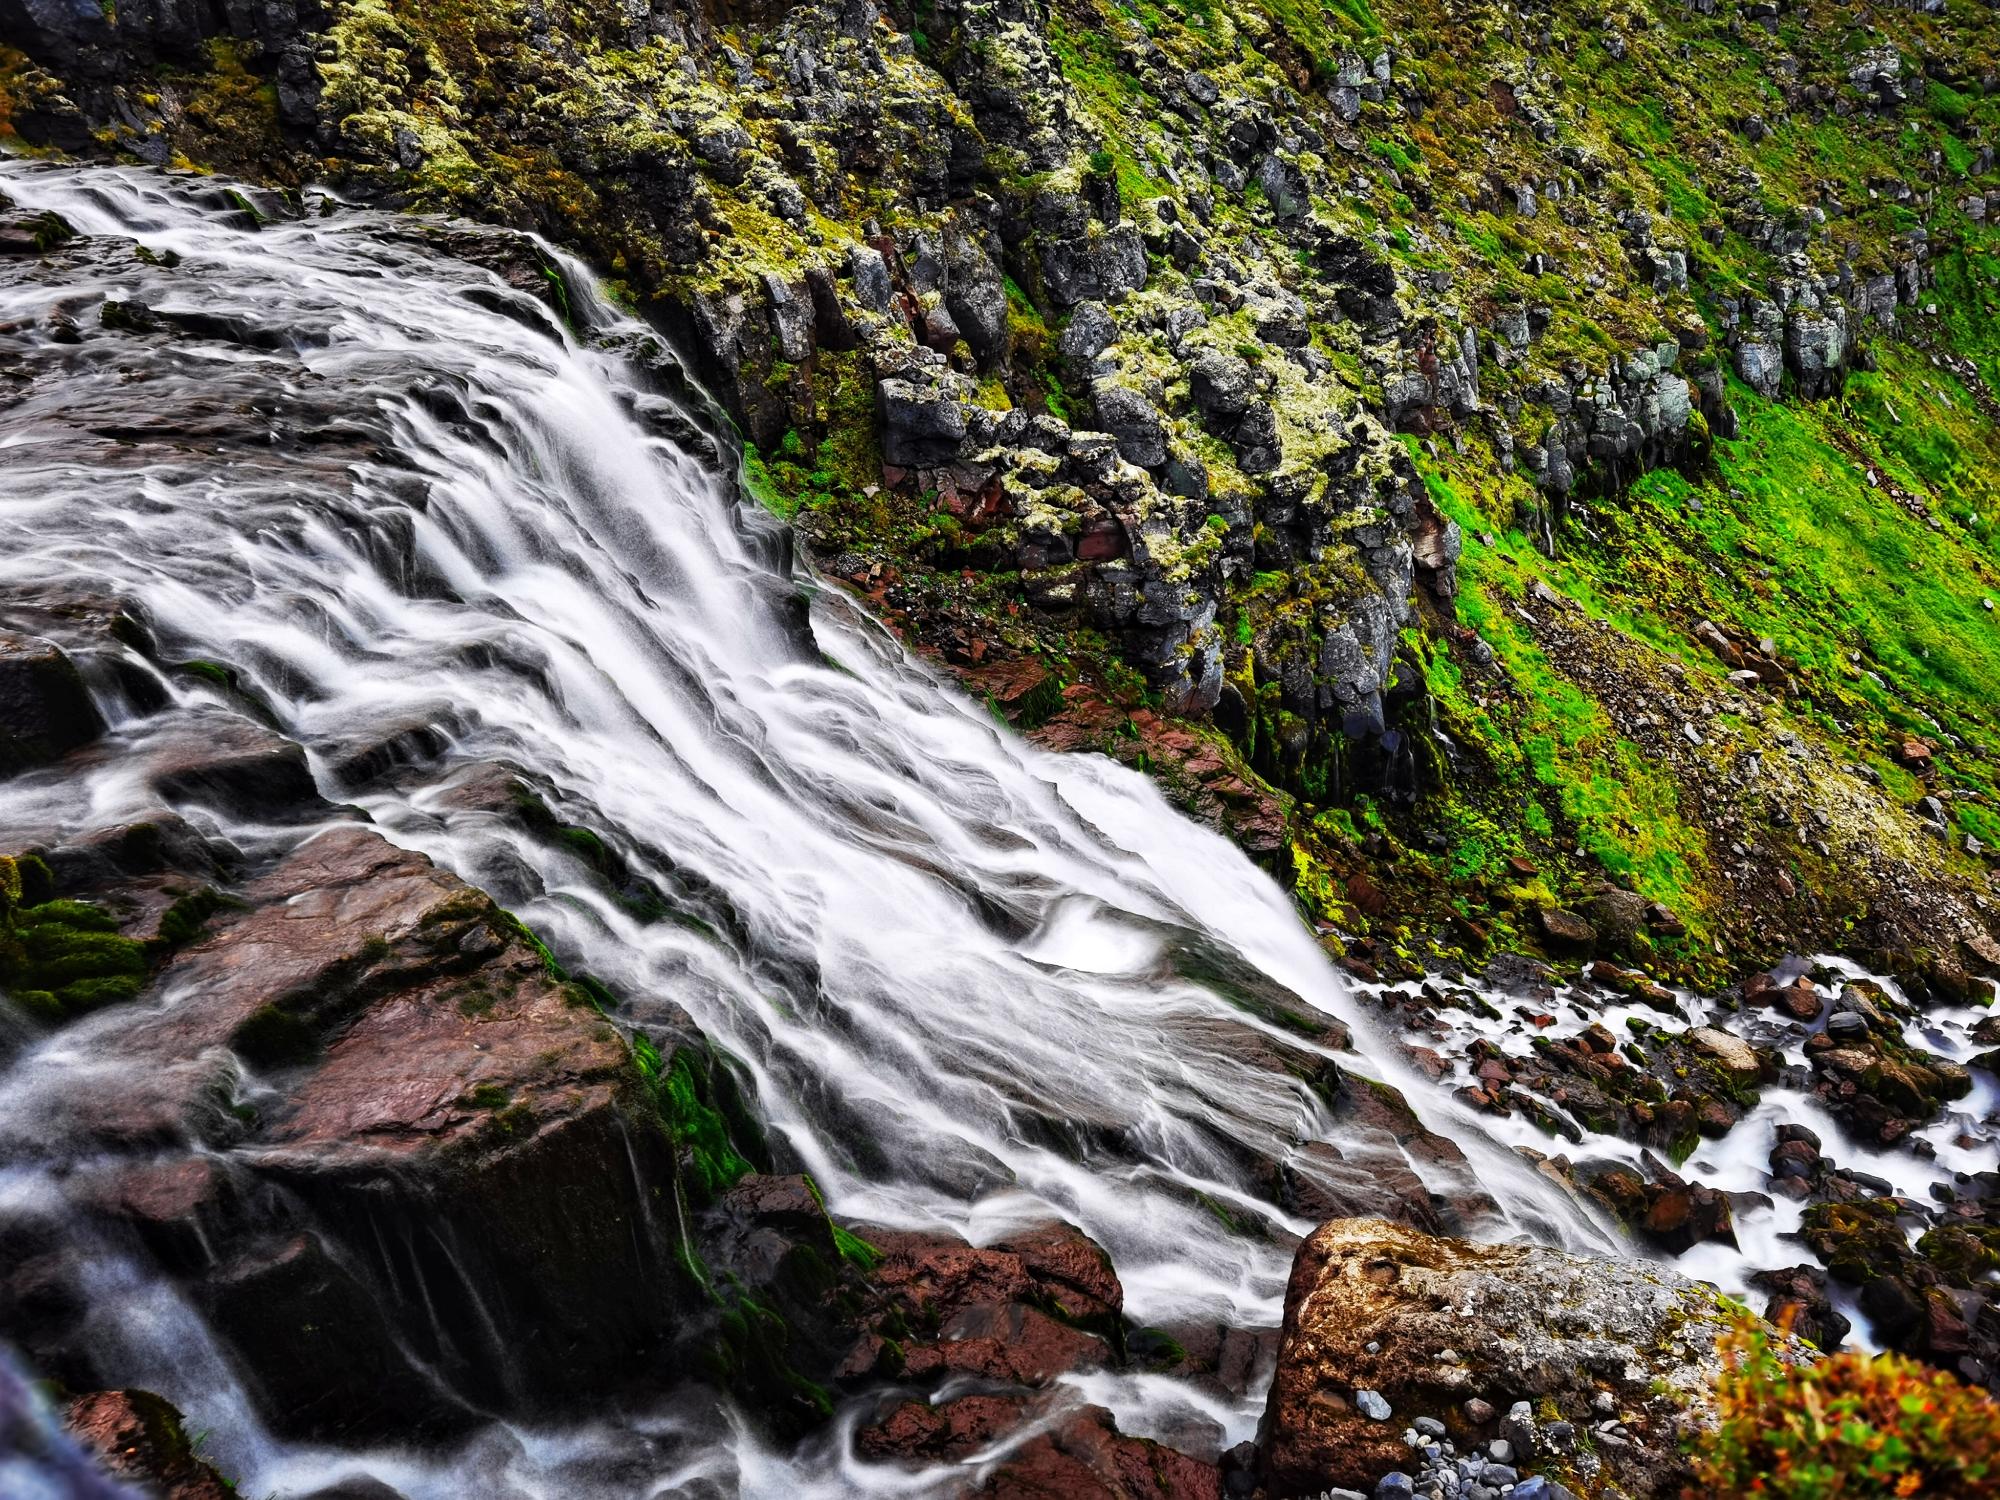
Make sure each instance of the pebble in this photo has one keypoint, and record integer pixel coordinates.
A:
(1373, 1405)
(1478, 1412)
(1486, 1473)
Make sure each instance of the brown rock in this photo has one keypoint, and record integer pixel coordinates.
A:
(1009, 1342)
(138, 1438)
(1799, 1303)
(1800, 1000)
(1565, 929)
(440, 1112)
(921, 1432)
(1914, 754)
(1374, 1306)
(1085, 1457)
(1616, 916)
(1731, 1054)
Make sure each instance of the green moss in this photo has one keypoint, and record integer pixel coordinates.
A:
(186, 919)
(550, 964)
(698, 1129)
(274, 1038)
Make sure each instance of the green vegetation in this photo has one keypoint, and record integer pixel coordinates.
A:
(697, 1128)
(59, 958)
(1849, 1427)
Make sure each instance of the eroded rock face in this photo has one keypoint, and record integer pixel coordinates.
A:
(1428, 1324)
(419, 1148)
(406, 1169)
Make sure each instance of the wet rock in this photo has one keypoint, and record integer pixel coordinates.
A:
(1371, 1306)
(1668, 1211)
(436, 1110)
(220, 759)
(139, 1438)
(45, 709)
(925, 1432)
(1799, 1303)
(1056, 1269)
(1085, 1457)
(1730, 1053)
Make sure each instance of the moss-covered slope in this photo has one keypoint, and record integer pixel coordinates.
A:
(1528, 470)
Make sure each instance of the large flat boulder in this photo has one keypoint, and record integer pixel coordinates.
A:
(406, 1168)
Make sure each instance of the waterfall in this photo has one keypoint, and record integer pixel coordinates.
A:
(965, 975)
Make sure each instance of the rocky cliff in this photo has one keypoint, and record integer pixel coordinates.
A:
(1489, 459)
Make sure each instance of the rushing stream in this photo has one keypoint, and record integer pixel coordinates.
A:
(951, 962)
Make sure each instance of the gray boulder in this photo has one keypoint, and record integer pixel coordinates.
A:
(1133, 420)
(922, 426)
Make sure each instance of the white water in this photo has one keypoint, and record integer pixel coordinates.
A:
(951, 970)
(1963, 1138)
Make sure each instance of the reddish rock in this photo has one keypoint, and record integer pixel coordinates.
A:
(435, 1203)
(1008, 1342)
(1914, 754)
(138, 1438)
(1800, 1000)
(1101, 539)
(1072, 1272)
(1365, 895)
(918, 1432)
(1085, 1457)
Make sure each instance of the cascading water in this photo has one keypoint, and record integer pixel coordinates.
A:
(957, 968)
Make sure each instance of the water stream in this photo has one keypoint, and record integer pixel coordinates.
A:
(950, 961)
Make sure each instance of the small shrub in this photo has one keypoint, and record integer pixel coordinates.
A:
(1849, 1427)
